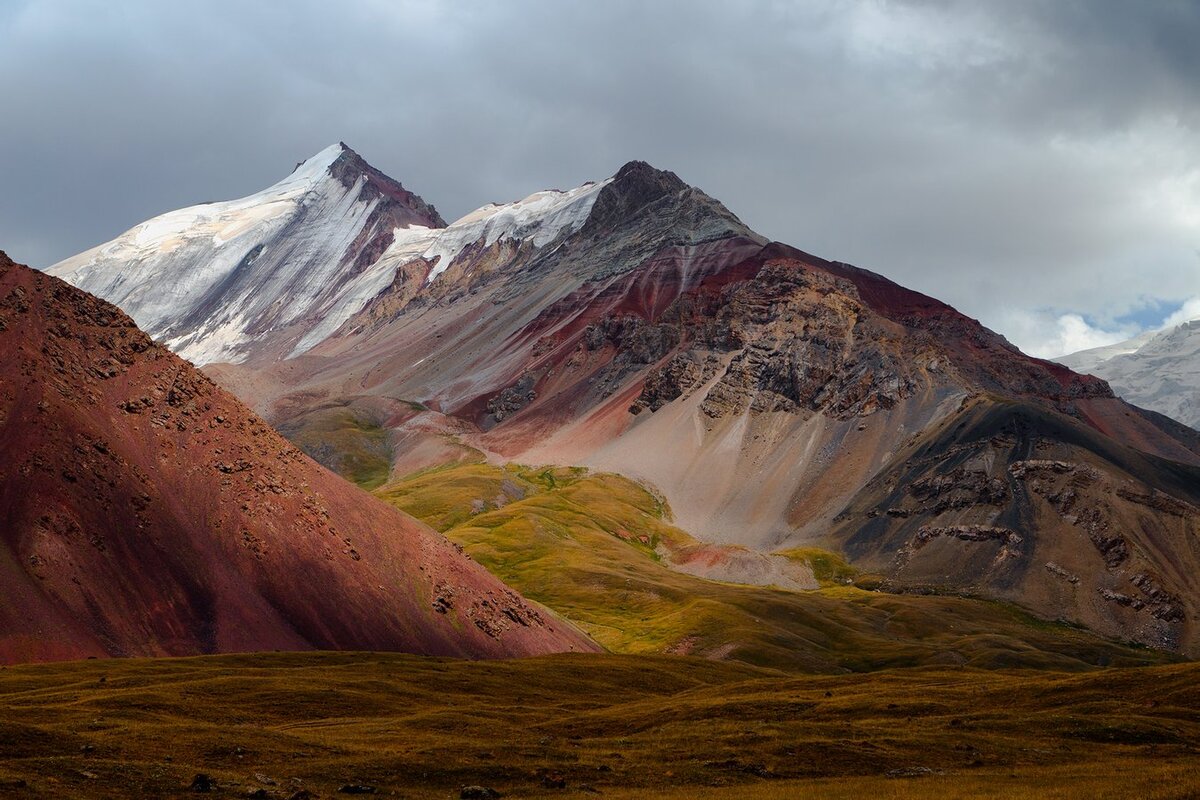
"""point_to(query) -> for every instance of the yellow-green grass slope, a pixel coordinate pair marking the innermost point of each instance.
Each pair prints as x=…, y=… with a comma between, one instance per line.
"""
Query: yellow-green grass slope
x=587, y=546
x=346, y=441
x=626, y=726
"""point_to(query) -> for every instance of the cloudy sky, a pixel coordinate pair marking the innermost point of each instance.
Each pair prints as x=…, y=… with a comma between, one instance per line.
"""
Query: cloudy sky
x=1034, y=163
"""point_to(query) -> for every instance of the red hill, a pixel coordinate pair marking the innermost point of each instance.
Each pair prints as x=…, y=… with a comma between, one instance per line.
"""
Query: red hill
x=145, y=511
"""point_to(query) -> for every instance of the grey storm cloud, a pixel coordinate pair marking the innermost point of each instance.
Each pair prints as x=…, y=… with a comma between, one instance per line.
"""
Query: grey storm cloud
x=1027, y=161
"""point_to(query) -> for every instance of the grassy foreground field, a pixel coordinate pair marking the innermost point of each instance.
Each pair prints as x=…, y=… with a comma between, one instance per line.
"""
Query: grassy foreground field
x=588, y=546
x=278, y=725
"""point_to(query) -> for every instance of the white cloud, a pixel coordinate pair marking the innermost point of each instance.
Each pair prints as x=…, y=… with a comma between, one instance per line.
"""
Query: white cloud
x=1052, y=333
x=1049, y=334
x=1074, y=334
x=1189, y=311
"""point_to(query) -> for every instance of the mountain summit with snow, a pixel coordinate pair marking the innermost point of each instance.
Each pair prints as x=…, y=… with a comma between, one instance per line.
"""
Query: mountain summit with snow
x=212, y=279
x=277, y=272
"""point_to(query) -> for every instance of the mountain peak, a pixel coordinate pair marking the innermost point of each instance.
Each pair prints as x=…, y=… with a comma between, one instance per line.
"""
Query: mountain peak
x=1154, y=370
x=660, y=199
x=319, y=163
x=634, y=186
x=642, y=174
x=326, y=156
x=346, y=211
x=343, y=163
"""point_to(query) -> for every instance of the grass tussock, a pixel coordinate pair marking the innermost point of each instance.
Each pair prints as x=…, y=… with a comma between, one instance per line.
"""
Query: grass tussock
x=569, y=726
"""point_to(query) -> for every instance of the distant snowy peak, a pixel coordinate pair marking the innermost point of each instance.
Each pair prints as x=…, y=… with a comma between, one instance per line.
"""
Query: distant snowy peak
x=1159, y=370
x=211, y=280
x=1087, y=360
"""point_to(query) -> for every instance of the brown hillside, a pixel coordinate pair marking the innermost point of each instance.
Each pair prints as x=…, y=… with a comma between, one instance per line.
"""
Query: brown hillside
x=145, y=511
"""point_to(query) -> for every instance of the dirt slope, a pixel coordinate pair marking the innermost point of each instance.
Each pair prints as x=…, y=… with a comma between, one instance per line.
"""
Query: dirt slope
x=144, y=511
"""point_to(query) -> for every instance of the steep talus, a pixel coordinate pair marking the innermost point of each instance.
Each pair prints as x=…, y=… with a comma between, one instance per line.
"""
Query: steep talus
x=780, y=353
x=144, y=511
x=1016, y=501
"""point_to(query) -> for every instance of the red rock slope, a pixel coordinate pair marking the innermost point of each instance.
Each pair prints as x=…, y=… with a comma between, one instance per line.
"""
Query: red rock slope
x=144, y=511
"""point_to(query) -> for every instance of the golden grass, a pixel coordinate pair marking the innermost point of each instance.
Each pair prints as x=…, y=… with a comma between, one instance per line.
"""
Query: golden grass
x=626, y=726
x=588, y=547
x=830, y=569
x=1121, y=777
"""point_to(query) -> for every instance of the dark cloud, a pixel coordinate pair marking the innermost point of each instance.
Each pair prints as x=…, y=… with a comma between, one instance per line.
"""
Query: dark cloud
x=1021, y=159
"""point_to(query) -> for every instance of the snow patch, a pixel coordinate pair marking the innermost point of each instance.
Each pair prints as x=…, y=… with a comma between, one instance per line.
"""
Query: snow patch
x=408, y=244
x=539, y=218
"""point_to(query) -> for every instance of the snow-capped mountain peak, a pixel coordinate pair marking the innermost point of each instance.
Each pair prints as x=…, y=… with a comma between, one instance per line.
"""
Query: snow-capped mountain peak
x=539, y=218
x=212, y=278
x=1158, y=370
x=291, y=263
x=317, y=167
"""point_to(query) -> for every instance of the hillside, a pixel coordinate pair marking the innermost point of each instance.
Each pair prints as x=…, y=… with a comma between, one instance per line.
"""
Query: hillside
x=144, y=511
x=602, y=552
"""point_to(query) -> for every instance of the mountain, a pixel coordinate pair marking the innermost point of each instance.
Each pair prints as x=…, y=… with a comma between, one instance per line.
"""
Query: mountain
x=145, y=511
x=211, y=279
x=773, y=398
x=1086, y=361
x=1159, y=370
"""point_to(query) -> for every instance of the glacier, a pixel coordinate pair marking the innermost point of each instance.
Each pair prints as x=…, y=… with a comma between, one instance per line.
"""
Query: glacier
x=212, y=280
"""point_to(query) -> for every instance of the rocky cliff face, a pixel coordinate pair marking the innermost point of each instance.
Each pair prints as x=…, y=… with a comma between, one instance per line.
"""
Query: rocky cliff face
x=145, y=511
x=1016, y=501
